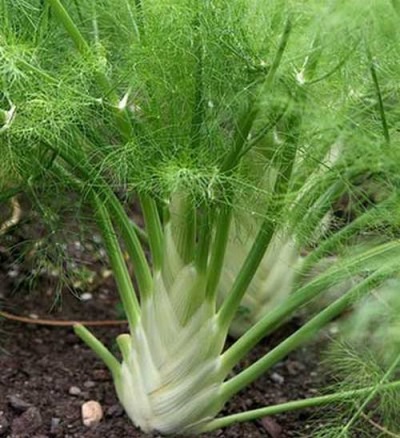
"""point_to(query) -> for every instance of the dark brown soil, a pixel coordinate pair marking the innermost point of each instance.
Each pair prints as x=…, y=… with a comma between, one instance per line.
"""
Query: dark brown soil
x=39, y=365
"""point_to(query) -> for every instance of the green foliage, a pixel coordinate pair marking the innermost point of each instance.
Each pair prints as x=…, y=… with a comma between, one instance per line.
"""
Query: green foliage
x=266, y=114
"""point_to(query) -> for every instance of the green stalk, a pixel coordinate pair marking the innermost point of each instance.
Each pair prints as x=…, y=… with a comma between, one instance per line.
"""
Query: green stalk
x=204, y=240
x=122, y=119
x=198, y=108
x=307, y=225
x=299, y=298
x=312, y=59
x=124, y=342
x=246, y=123
x=141, y=234
x=218, y=253
x=302, y=335
x=129, y=234
x=312, y=402
x=83, y=47
x=118, y=265
x=382, y=113
x=131, y=240
x=329, y=244
x=99, y=348
x=149, y=207
x=154, y=230
x=140, y=18
x=285, y=165
x=69, y=25
x=183, y=223
x=246, y=274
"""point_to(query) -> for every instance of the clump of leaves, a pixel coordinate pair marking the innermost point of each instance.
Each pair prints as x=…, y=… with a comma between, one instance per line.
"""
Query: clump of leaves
x=222, y=117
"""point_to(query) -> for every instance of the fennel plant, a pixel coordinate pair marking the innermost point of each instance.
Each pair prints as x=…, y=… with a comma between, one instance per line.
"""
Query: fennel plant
x=238, y=125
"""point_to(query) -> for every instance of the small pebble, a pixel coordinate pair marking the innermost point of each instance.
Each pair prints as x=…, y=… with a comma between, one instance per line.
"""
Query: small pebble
x=13, y=273
x=295, y=367
x=272, y=427
x=277, y=378
x=74, y=390
x=55, y=426
x=18, y=404
x=87, y=296
x=101, y=375
x=115, y=411
x=92, y=413
x=89, y=384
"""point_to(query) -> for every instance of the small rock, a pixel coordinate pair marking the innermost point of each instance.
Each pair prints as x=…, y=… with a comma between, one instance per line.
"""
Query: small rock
x=272, y=427
x=294, y=367
x=27, y=423
x=13, y=273
x=277, y=378
x=87, y=296
x=92, y=413
x=18, y=404
x=4, y=424
x=89, y=384
x=74, y=390
x=101, y=375
x=106, y=273
x=115, y=411
x=55, y=426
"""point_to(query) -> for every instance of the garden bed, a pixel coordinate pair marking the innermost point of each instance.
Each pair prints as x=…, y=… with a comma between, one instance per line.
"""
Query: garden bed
x=47, y=373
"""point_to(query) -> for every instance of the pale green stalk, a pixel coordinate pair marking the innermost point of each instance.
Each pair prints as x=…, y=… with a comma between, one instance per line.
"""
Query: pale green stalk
x=305, y=294
x=311, y=402
x=120, y=270
x=218, y=253
x=154, y=230
x=128, y=232
x=102, y=352
x=302, y=335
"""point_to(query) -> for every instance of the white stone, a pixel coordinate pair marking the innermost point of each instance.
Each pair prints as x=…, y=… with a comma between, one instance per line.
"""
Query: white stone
x=92, y=413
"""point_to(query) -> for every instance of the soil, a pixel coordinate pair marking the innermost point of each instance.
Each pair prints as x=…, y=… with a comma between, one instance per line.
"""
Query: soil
x=47, y=373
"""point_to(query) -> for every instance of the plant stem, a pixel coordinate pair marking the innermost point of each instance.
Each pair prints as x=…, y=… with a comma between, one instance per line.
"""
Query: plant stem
x=120, y=270
x=83, y=47
x=218, y=253
x=69, y=26
x=131, y=240
x=302, y=335
x=311, y=402
x=327, y=245
x=183, y=225
x=198, y=107
x=246, y=274
x=285, y=164
x=204, y=240
x=125, y=346
x=154, y=230
x=246, y=123
x=133, y=246
x=375, y=80
x=99, y=348
x=298, y=298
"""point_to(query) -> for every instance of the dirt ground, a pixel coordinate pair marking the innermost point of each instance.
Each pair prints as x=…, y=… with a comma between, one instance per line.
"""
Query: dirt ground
x=47, y=373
